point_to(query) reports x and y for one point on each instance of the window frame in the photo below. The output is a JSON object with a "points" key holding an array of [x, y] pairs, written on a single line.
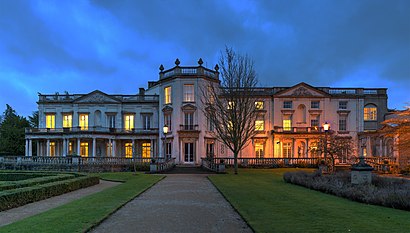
{"points": [[83, 121], [368, 114], [168, 95], [128, 122], [188, 93], [288, 104], [50, 120], [315, 104], [67, 120]]}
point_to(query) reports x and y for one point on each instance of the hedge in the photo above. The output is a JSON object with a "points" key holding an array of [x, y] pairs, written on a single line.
{"points": [[18, 197], [35, 181]]}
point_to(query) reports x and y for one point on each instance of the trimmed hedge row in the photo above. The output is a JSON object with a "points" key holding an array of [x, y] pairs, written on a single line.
{"points": [[35, 181], [18, 197], [384, 191], [5, 176]]}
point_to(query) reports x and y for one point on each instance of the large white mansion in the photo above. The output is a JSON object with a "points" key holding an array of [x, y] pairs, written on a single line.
{"points": [[99, 124]]}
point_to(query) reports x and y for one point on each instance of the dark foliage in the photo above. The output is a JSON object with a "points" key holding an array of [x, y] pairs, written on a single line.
{"points": [[384, 191], [12, 133]]}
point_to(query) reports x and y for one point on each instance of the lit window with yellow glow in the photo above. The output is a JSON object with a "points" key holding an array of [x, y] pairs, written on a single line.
{"points": [[109, 149], [83, 123], [259, 105], [370, 113], [129, 122], [67, 120], [84, 149], [50, 121], [259, 150], [70, 148], [231, 104], [52, 149], [167, 95], [128, 150], [146, 150], [259, 125], [287, 125]]}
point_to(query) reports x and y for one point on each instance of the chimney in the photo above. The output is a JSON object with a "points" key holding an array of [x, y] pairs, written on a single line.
{"points": [[142, 91]]}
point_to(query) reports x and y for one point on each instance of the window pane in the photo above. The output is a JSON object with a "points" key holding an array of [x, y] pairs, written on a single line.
{"points": [[287, 104], [128, 150], [83, 121], [287, 125], [188, 93], [259, 105], [314, 104], [146, 150], [84, 149], [342, 104], [129, 122], [167, 95], [370, 113], [67, 121], [259, 150], [50, 121], [259, 125]]}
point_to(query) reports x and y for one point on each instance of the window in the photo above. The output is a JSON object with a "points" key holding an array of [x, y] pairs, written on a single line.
{"points": [[370, 112], [167, 95], [287, 125], [52, 149], [259, 125], [287, 104], [168, 150], [287, 150], [50, 121], [189, 93], [210, 125], [259, 150], [70, 148], [146, 121], [231, 104], [111, 121], [128, 150], [342, 123], [84, 149], [129, 122], [259, 105], [109, 149], [146, 150], [189, 121], [342, 104], [168, 121], [314, 122], [210, 149], [83, 122], [314, 104], [67, 121]]}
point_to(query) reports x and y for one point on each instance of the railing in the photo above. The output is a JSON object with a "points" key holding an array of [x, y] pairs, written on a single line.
{"points": [[264, 162], [380, 164], [188, 127], [91, 129], [70, 97], [211, 165], [165, 165], [342, 91], [199, 70], [316, 129]]}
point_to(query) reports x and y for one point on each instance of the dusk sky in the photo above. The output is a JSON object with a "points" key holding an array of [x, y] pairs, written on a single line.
{"points": [[117, 46]]}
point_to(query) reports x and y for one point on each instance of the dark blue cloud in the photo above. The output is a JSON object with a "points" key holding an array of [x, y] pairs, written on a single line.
{"points": [[117, 46]]}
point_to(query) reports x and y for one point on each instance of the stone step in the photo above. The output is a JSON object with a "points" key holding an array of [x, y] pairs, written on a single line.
{"points": [[187, 169]]}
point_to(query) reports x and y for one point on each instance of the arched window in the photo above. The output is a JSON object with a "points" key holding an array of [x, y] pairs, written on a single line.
{"points": [[370, 112]]}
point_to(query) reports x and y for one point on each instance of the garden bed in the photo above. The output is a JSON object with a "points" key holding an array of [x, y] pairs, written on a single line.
{"points": [[384, 191]]}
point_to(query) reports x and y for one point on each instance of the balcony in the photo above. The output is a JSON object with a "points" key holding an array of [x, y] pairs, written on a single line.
{"points": [[188, 127], [189, 71], [279, 129], [92, 129]]}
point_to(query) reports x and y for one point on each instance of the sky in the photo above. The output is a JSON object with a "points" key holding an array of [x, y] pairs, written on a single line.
{"points": [[118, 46]]}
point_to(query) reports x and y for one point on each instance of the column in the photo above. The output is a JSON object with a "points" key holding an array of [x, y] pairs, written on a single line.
{"points": [[294, 150], [78, 146], [64, 147], [152, 148], [109, 147], [30, 147], [307, 148], [94, 146], [133, 148], [114, 148], [26, 150], [48, 147], [38, 148], [381, 147]]}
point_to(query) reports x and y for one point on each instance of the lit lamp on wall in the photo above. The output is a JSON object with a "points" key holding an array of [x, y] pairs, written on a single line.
{"points": [[326, 127], [165, 130]]}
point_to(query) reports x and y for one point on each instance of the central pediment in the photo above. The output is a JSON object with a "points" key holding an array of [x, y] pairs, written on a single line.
{"points": [[301, 90], [97, 97]]}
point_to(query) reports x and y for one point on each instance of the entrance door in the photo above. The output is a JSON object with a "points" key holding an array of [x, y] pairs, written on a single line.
{"points": [[189, 152]]}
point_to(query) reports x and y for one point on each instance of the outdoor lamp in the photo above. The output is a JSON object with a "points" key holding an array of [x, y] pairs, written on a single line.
{"points": [[326, 126], [165, 129]]}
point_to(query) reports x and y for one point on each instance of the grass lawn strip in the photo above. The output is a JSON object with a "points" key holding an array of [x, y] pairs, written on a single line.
{"points": [[81, 215], [269, 204]]}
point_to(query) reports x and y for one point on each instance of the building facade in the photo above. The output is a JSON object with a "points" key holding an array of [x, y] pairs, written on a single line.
{"points": [[291, 119]]}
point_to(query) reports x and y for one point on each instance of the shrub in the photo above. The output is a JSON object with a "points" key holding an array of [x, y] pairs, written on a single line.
{"points": [[18, 197], [384, 191], [35, 181]]}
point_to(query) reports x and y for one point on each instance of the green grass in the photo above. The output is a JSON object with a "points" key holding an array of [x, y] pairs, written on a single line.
{"points": [[269, 204], [82, 214]]}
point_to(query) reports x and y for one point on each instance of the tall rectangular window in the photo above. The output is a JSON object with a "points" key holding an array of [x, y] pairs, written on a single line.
{"points": [[314, 104], [146, 121], [109, 149], [167, 95], [168, 150], [189, 93], [314, 122], [70, 148], [50, 121], [111, 121], [287, 150], [210, 149], [210, 124], [84, 149], [146, 150], [128, 150], [287, 104], [287, 125], [259, 150], [129, 122], [342, 104], [342, 123], [189, 120], [168, 120], [67, 120], [52, 149], [83, 121], [370, 113]]}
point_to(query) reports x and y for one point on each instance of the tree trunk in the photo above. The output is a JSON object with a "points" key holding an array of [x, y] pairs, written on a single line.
{"points": [[235, 162]]}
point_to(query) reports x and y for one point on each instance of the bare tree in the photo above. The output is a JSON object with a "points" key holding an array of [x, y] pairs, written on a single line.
{"points": [[230, 104], [337, 147], [398, 127]]}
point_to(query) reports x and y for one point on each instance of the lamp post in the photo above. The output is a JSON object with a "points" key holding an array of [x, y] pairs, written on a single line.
{"points": [[326, 127], [165, 130]]}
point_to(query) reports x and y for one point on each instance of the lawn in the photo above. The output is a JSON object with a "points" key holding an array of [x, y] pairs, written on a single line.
{"points": [[82, 214], [269, 204]]}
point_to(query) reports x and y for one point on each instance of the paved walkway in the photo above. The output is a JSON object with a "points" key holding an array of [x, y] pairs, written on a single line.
{"points": [[178, 203], [13, 215]]}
